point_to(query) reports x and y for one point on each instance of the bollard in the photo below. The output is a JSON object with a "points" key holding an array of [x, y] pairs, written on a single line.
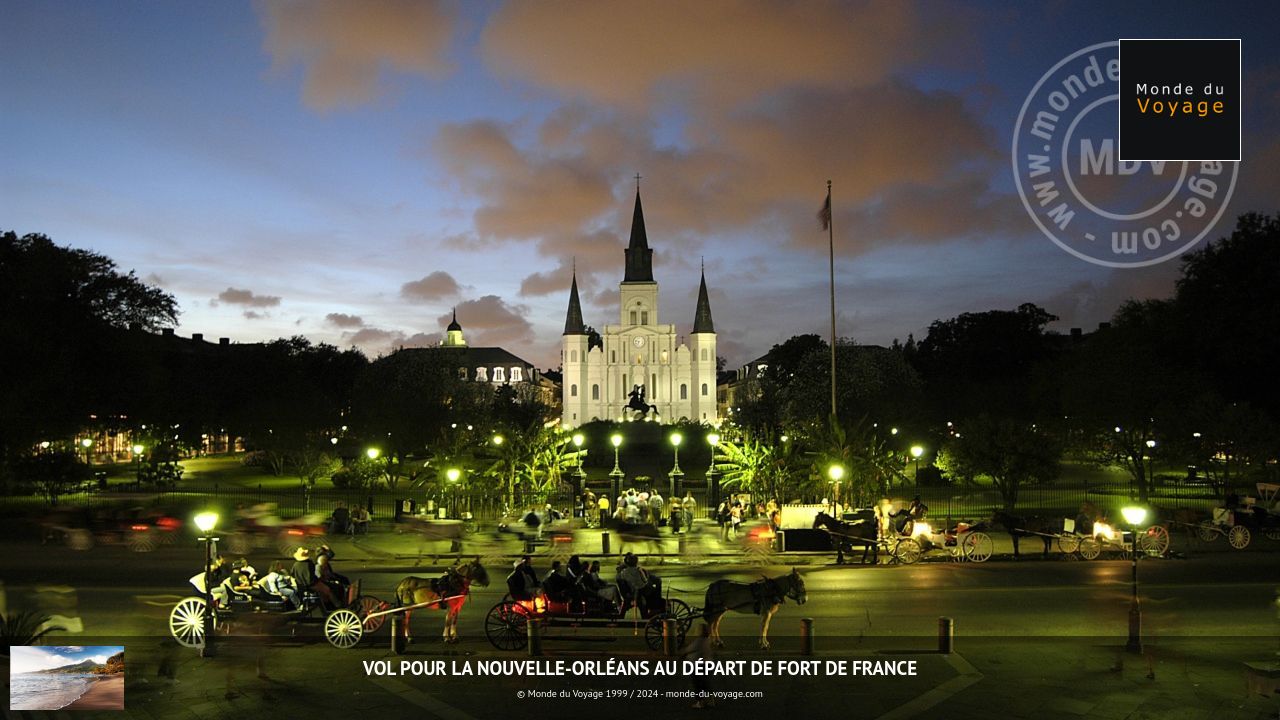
{"points": [[682, 543], [604, 543], [781, 539], [528, 547], [397, 634], [806, 636], [670, 637], [534, 630], [946, 634]]}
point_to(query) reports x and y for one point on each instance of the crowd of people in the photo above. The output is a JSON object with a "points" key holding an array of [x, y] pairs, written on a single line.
{"points": [[577, 581]]}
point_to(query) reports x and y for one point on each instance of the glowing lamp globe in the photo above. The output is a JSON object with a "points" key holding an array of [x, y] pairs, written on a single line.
{"points": [[713, 439], [835, 472], [206, 521], [1134, 515], [453, 474], [916, 451], [616, 440], [676, 439], [373, 453], [578, 439]]}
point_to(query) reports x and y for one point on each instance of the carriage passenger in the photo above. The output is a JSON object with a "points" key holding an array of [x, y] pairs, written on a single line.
{"points": [[336, 583], [594, 583], [557, 584], [279, 583]]}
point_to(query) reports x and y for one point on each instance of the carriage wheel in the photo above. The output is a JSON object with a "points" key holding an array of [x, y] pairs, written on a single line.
{"points": [[977, 547], [240, 543], [141, 541], [366, 604], [1090, 548], [1155, 541], [653, 630], [186, 622], [1272, 533], [1207, 532], [681, 611], [908, 551], [343, 628], [1239, 537], [505, 626], [1069, 544]]}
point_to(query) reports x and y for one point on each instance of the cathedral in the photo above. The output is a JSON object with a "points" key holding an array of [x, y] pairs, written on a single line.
{"points": [[640, 368]]}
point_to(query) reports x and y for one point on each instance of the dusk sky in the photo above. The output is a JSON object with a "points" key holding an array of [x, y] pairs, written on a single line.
{"points": [[351, 171]]}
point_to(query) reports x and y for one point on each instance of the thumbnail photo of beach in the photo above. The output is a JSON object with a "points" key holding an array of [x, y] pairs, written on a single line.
{"points": [[71, 677]]}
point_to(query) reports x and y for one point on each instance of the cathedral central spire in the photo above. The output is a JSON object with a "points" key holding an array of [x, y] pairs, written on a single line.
{"points": [[639, 255], [573, 324]]}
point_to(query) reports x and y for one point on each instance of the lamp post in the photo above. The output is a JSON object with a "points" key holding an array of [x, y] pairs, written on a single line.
{"points": [[578, 474], [372, 453], [137, 463], [1151, 462], [453, 474], [712, 485], [615, 475], [836, 473], [87, 443], [206, 522], [676, 474], [1134, 516], [916, 452]]}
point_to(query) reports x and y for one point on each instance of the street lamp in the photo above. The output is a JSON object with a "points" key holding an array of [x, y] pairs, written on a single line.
{"points": [[836, 473], [206, 522], [137, 463], [1135, 516], [1151, 462], [86, 444], [615, 475], [714, 441], [497, 439], [916, 452], [453, 474], [676, 474], [578, 475], [372, 453]]}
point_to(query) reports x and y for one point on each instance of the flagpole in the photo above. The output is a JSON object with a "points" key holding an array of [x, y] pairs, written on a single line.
{"points": [[831, 257]]}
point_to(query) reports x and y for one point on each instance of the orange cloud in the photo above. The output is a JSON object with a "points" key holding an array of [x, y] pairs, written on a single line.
{"points": [[344, 46]]}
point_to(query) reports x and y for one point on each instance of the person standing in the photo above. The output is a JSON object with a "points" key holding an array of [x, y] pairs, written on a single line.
{"points": [[676, 512], [603, 505], [690, 509], [657, 506]]}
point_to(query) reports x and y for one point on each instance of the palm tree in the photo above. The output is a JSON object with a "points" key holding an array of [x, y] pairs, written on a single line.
{"points": [[24, 628]]}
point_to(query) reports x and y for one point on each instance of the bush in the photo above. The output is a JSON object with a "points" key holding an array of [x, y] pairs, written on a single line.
{"points": [[255, 459]]}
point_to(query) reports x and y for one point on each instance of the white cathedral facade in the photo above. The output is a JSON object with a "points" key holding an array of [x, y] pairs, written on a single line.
{"points": [[639, 355]]}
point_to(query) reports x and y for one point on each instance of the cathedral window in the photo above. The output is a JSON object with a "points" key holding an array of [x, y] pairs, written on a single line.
{"points": [[644, 317], [516, 375], [624, 383], [704, 389], [482, 374], [664, 357], [613, 357], [573, 391], [704, 355], [499, 375], [684, 391], [595, 392], [633, 317], [654, 383], [573, 356]]}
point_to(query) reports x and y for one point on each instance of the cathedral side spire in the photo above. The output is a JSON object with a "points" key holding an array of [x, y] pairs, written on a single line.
{"points": [[573, 324], [702, 317], [639, 255]]}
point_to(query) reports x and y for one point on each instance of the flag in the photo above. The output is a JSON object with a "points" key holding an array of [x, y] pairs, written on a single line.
{"points": [[824, 215]]}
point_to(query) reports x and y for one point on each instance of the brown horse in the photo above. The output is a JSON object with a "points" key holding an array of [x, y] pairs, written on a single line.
{"points": [[762, 597], [443, 593]]}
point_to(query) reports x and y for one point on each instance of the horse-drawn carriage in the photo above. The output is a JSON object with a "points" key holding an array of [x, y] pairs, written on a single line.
{"points": [[1238, 520], [908, 539], [343, 627], [1086, 536], [506, 625]]}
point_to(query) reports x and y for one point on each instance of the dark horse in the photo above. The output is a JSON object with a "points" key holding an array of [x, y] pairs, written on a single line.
{"points": [[443, 593], [762, 597], [1032, 526], [638, 404], [846, 536]]}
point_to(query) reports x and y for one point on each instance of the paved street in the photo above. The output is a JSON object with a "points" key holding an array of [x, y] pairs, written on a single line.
{"points": [[1039, 638]]}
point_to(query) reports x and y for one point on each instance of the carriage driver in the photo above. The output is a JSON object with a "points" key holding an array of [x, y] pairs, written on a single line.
{"points": [[523, 583], [638, 585]]}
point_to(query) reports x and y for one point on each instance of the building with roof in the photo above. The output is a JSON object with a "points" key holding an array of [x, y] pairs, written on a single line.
{"points": [[485, 364], [639, 355]]}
